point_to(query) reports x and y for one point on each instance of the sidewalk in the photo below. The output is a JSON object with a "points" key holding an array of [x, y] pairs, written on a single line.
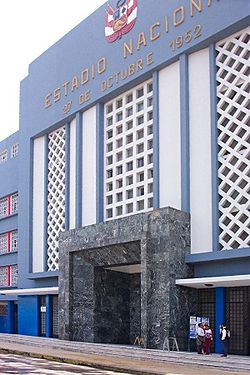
{"points": [[121, 358]]}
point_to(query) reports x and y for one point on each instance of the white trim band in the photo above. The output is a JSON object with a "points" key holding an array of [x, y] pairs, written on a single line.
{"points": [[215, 282], [30, 292]]}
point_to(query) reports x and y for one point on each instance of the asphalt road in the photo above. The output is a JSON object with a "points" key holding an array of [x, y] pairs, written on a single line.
{"points": [[15, 364]]}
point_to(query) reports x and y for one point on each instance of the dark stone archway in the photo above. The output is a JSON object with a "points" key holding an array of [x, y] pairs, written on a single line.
{"points": [[158, 241]]}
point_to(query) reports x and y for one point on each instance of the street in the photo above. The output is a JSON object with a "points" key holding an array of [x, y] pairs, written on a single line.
{"points": [[15, 364]]}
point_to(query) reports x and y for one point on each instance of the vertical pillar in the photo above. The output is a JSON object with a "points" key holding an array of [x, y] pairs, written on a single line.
{"points": [[49, 316], [11, 317], [99, 162], [156, 181], [185, 145], [214, 148], [78, 170], [220, 314]]}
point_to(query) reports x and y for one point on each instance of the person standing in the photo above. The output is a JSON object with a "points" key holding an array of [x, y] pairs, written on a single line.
{"points": [[208, 339], [224, 336], [200, 338]]}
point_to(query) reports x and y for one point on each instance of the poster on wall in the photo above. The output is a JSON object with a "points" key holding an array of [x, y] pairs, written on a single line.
{"points": [[193, 324]]}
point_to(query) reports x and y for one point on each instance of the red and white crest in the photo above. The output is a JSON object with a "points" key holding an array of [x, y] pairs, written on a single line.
{"points": [[121, 20]]}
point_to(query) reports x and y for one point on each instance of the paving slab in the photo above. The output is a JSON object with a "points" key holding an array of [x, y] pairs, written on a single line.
{"points": [[134, 360]]}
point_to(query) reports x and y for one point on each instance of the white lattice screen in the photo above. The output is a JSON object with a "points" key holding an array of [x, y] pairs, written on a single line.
{"points": [[233, 56], [128, 156], [56, 194]]}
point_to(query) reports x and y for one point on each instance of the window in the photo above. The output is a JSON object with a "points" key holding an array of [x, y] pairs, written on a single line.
{"points": [[140, 205], [119, 183], [129, 180], [139, 107], [3, 207], [109, 147], [140, 148], [140, 120], [119, 197], [140, 134], [129, 166], [3, 243], [119, 156], [110, 186], [129, 152], [119, 129], [119, 103], [150, 115], [129, 208], [119, 211], [140, 177], [140, 162], [109, 199], [109, 160], [109, 108], [129, 111], [119, 143], [14, 150], [8, 276], [140, 191], [129, 124], [140, 92], [109, 134], [119, 170], [119, 116], [109, 173], [3, 156], [129, 98], [110, 121], [14, 203], [130, 194], [129, 138]]}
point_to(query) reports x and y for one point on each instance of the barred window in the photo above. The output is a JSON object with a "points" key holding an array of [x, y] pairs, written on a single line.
{"points": [[14, 203], [3, 207], [3, 243], [14, 241], [13, 275], [14, 150], [3, 156], [4, 277]]}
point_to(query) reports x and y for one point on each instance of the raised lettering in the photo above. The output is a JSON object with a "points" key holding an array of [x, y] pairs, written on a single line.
{"points": [[128, 49], [101, 65], [195, 5], [74, 83], [84, 76], [150, 59], [47, 101], [66, 87], [141, 41], [179, 16], [57, 94], [153, 36]]}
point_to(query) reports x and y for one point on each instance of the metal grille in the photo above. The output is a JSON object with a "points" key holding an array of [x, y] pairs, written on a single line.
{"points": [[234, 140], [42, 316], [128, 152], [4, 276], [3, 207], [206, 308], [14, 275], [3, 243], [3, 309], [14, 203], [56, 194], [238, 319], [55, 315]]}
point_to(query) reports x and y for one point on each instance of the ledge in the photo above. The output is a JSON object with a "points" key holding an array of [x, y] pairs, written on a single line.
{"points": [[42, 275], [218, 255]]}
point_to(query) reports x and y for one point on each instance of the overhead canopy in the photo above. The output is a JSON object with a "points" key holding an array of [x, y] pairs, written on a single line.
{"points": [[215, 281], [30, 292]]}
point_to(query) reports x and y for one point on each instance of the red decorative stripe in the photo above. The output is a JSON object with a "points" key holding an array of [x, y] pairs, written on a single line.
{"points": [[8, 242], [8, 276], [8, 204]]}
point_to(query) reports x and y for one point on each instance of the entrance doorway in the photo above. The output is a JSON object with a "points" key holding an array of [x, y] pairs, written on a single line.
{"points": [[117, 311], [238, 319]]}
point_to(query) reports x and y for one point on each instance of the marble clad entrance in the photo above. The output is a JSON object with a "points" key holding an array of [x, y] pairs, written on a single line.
{"points": [[99, 303]]}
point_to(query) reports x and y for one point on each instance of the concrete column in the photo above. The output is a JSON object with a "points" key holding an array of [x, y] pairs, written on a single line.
{"points": [[220, 315]]}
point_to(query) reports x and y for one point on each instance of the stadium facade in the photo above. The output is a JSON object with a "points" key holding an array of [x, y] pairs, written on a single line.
{"points": [[124, 196]]}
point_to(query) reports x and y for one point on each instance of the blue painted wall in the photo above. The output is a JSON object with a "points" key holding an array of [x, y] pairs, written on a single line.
{"points": [[28, 315]]}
